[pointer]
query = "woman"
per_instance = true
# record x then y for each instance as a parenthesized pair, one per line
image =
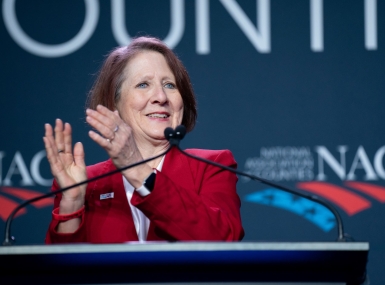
(141, 90)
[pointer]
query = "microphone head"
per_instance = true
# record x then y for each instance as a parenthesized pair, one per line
(169, 133)
(180, 131)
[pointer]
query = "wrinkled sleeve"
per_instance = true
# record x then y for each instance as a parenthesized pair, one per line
(210, 212)
(53, 236)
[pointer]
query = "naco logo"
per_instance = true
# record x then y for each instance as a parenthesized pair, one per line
(15, 177)
(311, 168)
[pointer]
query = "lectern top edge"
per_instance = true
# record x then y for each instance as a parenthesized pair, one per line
(186, 246)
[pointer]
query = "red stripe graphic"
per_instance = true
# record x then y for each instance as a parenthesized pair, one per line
(7, 206)
(350, 202)
(25, 194)
(375, 191)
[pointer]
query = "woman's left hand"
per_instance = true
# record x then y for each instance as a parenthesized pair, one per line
(115, 136)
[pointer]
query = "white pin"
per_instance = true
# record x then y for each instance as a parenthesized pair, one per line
(107, 196)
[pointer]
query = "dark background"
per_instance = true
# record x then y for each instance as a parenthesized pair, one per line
(247, 100)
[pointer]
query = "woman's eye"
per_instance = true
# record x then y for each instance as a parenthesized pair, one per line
(142, 85)
(169, 85)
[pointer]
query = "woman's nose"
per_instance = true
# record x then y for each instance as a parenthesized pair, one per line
(160, 95)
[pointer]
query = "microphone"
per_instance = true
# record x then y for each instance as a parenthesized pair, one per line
(8, 239)
(175, 136)
(180, 132)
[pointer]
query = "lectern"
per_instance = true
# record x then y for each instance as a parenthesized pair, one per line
(190, 262)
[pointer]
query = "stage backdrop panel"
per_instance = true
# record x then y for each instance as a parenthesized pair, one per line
(295, 89)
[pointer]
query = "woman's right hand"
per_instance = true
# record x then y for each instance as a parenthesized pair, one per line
(67, 167)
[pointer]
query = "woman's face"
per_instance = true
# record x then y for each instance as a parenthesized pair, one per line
(149, 100)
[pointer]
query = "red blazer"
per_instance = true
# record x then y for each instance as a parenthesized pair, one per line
(191, 200)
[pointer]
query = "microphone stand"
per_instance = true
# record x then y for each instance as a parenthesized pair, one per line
(176, 136)
(8, 239)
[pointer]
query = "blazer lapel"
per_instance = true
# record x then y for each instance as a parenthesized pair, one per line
(178, 168)
(119, 202)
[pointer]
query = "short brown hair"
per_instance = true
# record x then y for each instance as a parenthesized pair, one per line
(107, 87)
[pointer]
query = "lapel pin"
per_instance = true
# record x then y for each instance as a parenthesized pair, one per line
(107, 196)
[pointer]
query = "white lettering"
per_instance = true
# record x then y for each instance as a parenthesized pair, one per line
(18, 167)
(338, 168)
(316, 25)
(260, 38)
(259, 35)
(282, 163)
(202, 26)
(123, 38)
(44, 50)
(35, 169)
(378, 162)
(361, 160)
(287, 152)
(371, 24)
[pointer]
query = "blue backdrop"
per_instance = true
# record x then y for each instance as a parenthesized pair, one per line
(295, 89)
